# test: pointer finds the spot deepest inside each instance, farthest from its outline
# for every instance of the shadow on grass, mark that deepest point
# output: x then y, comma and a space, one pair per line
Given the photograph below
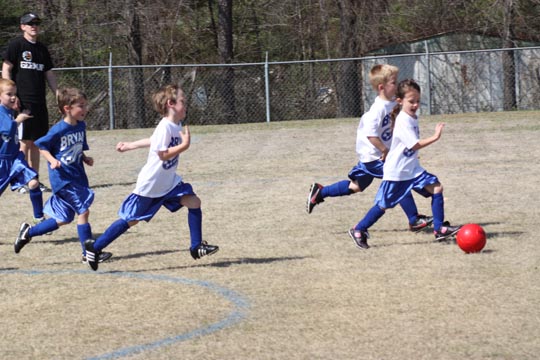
225, 263
131, 183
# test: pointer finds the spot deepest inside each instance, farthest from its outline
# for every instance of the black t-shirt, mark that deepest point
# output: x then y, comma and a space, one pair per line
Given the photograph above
30, 62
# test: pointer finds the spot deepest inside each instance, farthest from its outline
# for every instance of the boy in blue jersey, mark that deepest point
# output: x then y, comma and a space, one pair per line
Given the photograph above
14, 170
63, 146
374, 135
402, 170
158, 184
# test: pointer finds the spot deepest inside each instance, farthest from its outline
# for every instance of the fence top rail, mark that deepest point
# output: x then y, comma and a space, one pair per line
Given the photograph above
294, 61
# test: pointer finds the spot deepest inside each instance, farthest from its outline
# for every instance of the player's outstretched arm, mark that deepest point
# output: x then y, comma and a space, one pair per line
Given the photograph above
430, 140
126, 146
51, 159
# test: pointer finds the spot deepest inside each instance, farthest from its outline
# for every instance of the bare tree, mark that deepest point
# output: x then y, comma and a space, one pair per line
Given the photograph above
225, 49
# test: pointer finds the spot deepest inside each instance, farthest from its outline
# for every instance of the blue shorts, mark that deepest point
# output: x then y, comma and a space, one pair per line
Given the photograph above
392, 192
68, 201
15, 172
364, 173
141, 208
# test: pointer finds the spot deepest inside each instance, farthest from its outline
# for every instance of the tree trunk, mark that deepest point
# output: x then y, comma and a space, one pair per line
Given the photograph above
509, 66
136, 114
225, 48
348, 90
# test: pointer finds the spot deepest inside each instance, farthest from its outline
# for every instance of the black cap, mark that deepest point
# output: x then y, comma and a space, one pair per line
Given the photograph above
30, 17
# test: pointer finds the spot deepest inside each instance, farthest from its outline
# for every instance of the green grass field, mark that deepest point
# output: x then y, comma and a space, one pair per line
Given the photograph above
285, 284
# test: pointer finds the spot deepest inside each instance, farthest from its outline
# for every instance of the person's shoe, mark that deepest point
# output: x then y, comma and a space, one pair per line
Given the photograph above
22, 238
44, 188
103, 256
314, 197
360, 238
445, 232
23, 190
202, 250
39, 221
92, 256
422, 222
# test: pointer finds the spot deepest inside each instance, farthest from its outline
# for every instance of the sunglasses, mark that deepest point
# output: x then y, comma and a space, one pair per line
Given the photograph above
33, 23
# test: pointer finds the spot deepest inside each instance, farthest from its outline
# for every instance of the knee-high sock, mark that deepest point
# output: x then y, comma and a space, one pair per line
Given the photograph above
85, 233
116, 229
44, 227
195, 227
409, 207
340, 188
437, 207
374, 214
36, 198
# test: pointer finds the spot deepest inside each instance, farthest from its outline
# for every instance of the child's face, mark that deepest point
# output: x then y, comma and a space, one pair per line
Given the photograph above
8, 97
180, 106
77, 110
389, 88
410, 102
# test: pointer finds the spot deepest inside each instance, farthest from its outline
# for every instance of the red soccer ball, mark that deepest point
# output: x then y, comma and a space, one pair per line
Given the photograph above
471, 238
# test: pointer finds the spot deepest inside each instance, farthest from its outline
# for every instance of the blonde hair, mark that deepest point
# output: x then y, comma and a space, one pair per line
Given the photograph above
161, 98
5, 83
68, 97
380, 74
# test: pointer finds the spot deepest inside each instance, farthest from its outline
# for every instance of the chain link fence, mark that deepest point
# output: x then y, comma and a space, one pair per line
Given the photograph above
451, 82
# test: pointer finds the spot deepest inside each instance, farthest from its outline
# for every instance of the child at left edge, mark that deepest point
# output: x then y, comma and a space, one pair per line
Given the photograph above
63, 146
14, 169
158, 184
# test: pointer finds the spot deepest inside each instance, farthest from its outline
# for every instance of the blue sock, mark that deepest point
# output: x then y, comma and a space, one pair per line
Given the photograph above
437, 207
374, 214
409, 207
85, 233
36, 197
116, 229
44, 227
195, 227
341, 188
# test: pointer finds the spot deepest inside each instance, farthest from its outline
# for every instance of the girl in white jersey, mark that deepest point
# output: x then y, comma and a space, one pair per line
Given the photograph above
402, 170
158, 183
373, 138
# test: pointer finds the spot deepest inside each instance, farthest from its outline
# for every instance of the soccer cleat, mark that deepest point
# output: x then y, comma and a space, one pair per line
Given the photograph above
22, 238
23, 190
360, 238
314, 197
445, 232
202, 250
103, 256
422, 222
44, 188
92, 256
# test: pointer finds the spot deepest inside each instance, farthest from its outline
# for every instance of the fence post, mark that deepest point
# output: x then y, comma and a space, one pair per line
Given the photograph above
267, 88
428, 66
111, 95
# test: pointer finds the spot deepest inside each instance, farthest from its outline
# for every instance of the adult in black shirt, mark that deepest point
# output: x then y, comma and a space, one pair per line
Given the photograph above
28, 63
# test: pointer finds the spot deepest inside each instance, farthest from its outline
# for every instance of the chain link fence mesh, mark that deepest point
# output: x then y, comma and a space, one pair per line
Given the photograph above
472, 81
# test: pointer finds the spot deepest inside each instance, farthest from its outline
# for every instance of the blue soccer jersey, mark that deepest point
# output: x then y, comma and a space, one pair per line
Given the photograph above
66, 143
9, 139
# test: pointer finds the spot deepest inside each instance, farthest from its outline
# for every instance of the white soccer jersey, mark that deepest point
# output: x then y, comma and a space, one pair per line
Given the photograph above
401, 162
376, 122
158, 177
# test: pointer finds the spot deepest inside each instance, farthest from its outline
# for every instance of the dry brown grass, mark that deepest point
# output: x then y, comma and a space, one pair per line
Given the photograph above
303, 289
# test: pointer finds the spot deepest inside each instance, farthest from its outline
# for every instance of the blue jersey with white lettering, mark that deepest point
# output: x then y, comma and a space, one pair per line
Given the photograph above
66, 143
9, 139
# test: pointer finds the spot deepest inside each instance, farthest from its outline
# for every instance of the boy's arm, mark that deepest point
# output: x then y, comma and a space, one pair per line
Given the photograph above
173, 151
23, 117
87, 160
377, 142
126, 146
51, 159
